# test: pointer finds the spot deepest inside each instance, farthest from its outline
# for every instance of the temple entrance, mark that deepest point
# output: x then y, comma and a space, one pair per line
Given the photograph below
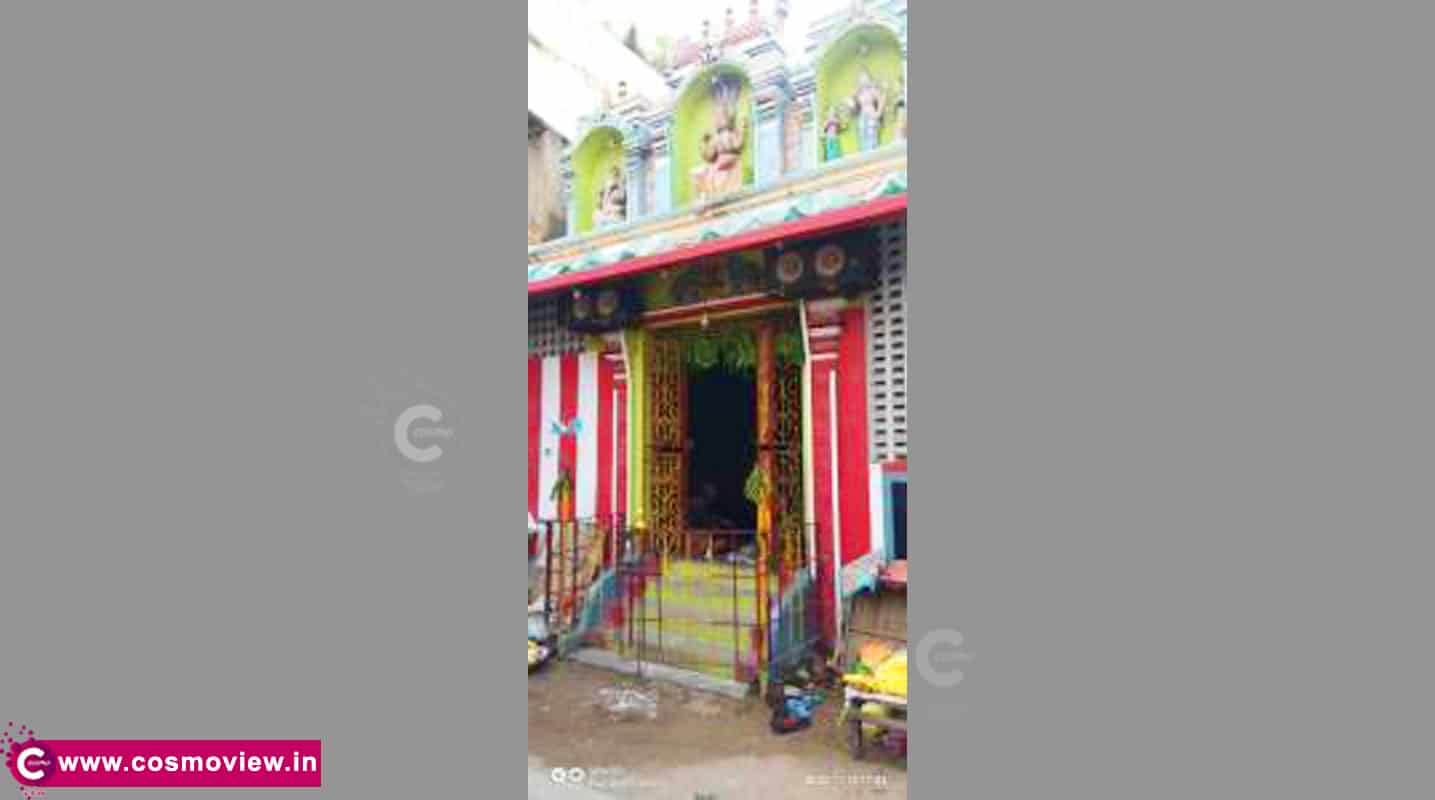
725, 433
724, 538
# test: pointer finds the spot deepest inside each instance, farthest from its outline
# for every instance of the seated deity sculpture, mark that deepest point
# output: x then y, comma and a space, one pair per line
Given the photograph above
721, 148
612, 201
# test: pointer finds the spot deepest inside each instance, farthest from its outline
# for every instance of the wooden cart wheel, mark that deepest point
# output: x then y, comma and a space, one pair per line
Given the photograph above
855, 744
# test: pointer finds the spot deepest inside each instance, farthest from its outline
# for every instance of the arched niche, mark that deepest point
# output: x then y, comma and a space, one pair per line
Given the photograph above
871, 50
713, 112
597, 160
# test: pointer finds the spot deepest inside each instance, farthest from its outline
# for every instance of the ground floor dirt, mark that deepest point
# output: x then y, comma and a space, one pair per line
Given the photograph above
700, 745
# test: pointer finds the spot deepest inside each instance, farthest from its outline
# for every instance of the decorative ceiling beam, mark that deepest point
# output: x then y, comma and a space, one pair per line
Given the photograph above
819, 224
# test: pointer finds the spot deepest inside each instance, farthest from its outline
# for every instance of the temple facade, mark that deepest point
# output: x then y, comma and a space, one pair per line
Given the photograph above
717, 341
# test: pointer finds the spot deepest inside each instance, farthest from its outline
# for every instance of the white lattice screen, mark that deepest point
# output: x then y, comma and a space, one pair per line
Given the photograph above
887, 348
547, 336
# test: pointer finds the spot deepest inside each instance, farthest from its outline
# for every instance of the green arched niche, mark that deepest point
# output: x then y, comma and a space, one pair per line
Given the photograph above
696, 114
870, 46
600, 150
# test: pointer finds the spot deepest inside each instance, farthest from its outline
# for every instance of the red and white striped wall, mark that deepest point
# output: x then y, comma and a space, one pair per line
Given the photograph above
576, 421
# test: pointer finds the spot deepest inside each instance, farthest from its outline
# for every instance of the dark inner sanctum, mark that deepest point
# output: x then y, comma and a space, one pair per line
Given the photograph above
722, 425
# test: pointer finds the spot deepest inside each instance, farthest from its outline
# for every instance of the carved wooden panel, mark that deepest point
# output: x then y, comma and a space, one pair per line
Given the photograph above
787, 478
667, 410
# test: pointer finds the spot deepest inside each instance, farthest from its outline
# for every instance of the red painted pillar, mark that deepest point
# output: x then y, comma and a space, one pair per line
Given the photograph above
621, 390
824, 368
837, 337
853, 471
824, 326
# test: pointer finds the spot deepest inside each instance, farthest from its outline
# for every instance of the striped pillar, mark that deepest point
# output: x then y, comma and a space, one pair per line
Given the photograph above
573, 424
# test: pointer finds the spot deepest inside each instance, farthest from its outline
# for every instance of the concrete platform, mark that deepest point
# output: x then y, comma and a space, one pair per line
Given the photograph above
605, 659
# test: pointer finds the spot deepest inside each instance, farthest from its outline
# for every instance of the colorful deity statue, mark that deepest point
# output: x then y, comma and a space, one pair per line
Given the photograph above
612, 200
869, 104
722, 146
832, 135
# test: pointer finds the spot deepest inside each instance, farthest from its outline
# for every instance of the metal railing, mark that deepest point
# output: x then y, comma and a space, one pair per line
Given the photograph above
685, 598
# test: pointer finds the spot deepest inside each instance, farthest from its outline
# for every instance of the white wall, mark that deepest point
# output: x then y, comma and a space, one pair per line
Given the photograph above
573, 61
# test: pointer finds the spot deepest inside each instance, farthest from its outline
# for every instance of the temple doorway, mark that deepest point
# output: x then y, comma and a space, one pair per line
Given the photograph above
722, 447
724, 415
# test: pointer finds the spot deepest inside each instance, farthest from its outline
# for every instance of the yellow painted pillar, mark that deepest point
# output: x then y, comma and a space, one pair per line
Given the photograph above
635, 342
766, 461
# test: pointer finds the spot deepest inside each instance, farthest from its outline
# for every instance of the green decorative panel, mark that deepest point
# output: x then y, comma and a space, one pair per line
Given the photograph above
869, 51
594, 162
714, 278
717, 103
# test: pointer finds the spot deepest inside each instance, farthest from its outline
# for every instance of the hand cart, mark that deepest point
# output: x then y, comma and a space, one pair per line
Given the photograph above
855, 700
877, 613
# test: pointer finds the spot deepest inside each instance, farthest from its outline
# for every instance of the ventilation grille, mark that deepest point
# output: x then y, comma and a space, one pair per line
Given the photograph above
547, 336
887, 348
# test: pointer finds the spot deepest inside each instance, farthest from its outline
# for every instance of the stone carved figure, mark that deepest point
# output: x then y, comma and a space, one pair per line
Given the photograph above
722, 145
869, 104
612, 200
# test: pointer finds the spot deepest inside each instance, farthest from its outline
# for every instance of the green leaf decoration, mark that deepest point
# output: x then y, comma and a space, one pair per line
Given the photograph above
704, 353
788, 348
563, 484
730, 348
758, 487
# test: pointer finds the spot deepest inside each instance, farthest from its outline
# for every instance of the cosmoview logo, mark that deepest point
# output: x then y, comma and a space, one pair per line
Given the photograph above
937, 656
157, 763
406, 434
35, 763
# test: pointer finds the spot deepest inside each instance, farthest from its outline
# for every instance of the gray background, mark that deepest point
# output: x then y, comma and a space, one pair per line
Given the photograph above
1171, 317
234, 236
1172, 302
